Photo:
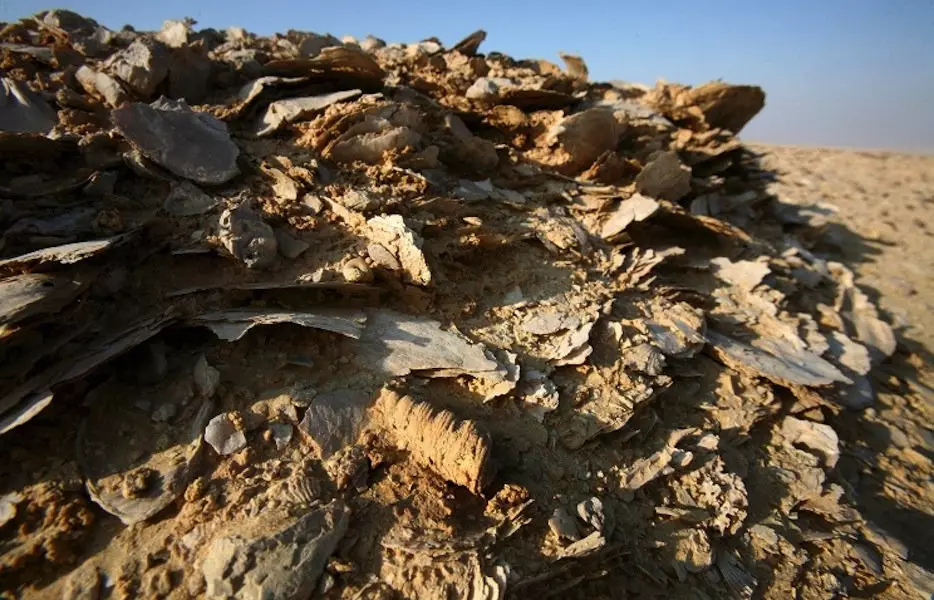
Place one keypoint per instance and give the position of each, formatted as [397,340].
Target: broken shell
[356,270]
[247,237]
[224,436]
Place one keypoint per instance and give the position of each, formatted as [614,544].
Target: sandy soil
[882,203]
[880,206]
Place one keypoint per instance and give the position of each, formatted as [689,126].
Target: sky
[847,73]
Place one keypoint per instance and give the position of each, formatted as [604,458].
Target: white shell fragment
[403,244]
[632,210]
[136,466]
[283,112]
[782,364]
[816,437]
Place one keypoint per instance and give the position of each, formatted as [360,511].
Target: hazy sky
[856,73]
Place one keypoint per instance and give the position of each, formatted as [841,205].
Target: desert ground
[879,207]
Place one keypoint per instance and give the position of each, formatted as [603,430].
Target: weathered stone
[223,435]
[247,237]
[192,145]
[488,88]
[584,136]
[333,420]
[187,200]
[665,177]
[189,75]
[102,86]
[142,66]
[175,33]
[392,233]
[274,557]
[22,110]
[633,209]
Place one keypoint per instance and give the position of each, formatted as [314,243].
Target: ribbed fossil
[459,451]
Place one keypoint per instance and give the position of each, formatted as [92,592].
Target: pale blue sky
[857,73]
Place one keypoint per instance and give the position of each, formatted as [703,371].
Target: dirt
[881,205]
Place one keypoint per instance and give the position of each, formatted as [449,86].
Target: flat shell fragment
[726,105]
[347,66]
[334,420]
[577,68]
[741,583]
[223,435]
[665,177]
[286,188]
[65,254]
[33,294]
[185,199]
[585,546]
[677,330]
[398,344]
[563,525]
[574,347]
[371,144]
[101,85]
[645,470]
[206,377]
[283,112]
[816,437]
[470,44]
[22,110]
[849,354]
[538,394]
[192,145]
[135,466]
[606,409]
[274,556]
[488,88]
[870,329]
[232,325]
[595,514]
[584,136]
[745,274]
[142,66]
[546,323]
[632,210]
[281,434]
[777,362]
[8,503]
